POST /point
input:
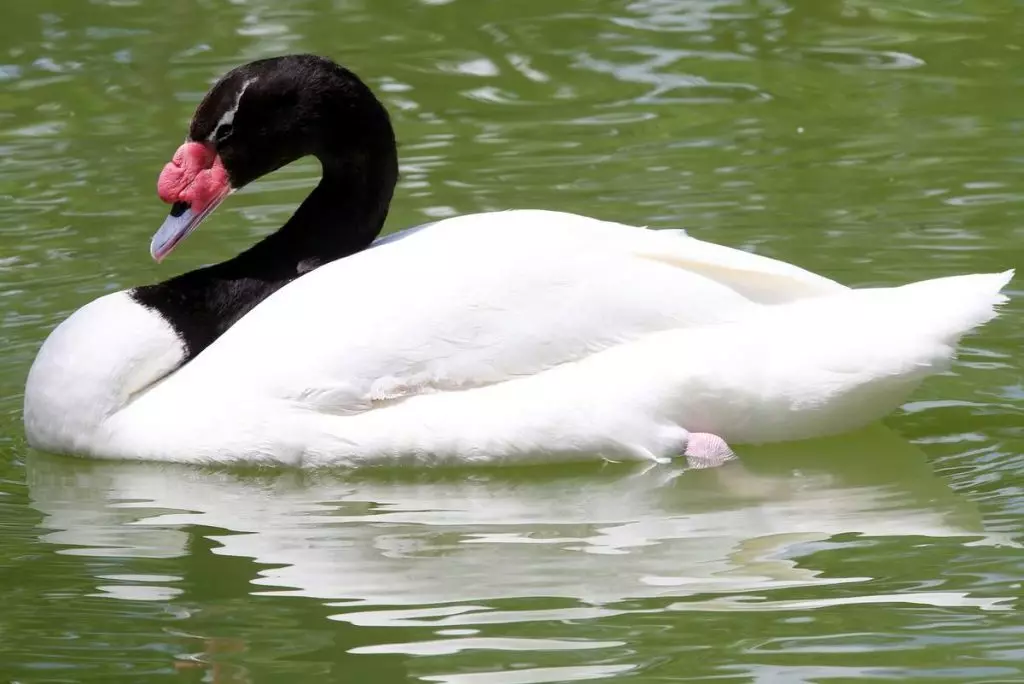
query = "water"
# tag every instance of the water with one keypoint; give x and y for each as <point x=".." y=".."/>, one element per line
<point x="873" y="142"/>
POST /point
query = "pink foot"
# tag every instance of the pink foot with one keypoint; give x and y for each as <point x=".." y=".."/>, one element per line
<point x="705" y="450"/>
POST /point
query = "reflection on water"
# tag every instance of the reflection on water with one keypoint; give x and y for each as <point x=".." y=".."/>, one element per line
<point x="438" y="559"/>
<point x="599" y="537"/>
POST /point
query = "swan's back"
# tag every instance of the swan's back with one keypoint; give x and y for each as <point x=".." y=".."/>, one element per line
<point x="479" y="299"/>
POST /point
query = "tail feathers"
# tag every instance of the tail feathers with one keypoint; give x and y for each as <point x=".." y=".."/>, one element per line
<point x="918" y="324"/>
<point x="956" y="305"/>
<point x="810" y="367"/>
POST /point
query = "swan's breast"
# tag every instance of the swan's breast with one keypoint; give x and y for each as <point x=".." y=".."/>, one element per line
<point x="93" y="364"/>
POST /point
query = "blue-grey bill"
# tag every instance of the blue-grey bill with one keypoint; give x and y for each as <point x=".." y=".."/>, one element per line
<point x="178" y="225"/>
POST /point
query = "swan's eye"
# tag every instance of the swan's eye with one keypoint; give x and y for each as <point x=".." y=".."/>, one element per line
<point x="223" y="132"/>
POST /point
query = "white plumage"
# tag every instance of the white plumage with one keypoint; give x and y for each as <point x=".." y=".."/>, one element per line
<point x="499" y="337"/>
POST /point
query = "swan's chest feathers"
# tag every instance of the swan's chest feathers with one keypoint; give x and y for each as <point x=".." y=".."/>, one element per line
<point x="92" y="365"/>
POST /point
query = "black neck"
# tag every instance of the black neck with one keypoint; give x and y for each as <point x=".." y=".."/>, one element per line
<point x="342" y="215"/>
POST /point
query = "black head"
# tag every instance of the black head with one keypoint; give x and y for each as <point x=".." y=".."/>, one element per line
<point x="263" y="115"/>
<point x="268" y="113"/>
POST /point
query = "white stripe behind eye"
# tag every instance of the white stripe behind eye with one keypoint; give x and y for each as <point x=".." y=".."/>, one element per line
<point x="228" y="117"/>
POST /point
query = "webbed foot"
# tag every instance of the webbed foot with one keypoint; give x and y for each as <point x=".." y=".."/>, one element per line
<point x="705" y="450"/>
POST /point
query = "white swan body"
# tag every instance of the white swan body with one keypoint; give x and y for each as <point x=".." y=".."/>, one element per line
<point x="504" y="336"/>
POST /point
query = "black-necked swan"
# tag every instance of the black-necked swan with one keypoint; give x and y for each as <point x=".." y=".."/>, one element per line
<point x="490" y="337"/>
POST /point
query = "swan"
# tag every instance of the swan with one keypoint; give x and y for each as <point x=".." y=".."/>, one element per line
<point x="492" y="337"/>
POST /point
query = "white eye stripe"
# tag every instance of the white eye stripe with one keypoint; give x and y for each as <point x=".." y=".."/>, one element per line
<point x="228" y="117"/>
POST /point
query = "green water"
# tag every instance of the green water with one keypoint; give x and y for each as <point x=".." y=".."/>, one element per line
<point x="873" y="141"/>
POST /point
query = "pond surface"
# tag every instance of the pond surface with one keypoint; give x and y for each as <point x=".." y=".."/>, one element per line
<point x="872" y="141"/>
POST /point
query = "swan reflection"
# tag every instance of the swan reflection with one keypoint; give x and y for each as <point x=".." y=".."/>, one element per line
<point x="418" y="542"/>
